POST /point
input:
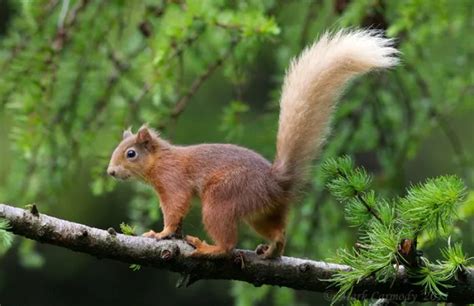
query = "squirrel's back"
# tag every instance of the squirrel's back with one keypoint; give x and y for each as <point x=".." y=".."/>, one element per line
<point x="232" y="173"/>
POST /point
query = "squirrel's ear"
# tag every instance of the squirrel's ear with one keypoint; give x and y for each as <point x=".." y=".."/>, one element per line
<point x="145" y="138"/>
<point x="127" y="133"/>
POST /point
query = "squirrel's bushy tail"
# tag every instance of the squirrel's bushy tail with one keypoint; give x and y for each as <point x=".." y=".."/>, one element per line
<point x="311" y="87"/>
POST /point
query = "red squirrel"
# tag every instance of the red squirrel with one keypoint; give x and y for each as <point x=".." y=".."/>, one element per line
<point x="237" y="184"/>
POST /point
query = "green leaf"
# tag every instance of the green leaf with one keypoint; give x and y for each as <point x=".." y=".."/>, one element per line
<point x="135" y="267"/>
<point x="127" y="229"/>
<point x="6" y="238"/>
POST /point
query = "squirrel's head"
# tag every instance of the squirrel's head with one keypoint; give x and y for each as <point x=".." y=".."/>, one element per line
<point x="135" y="154"/>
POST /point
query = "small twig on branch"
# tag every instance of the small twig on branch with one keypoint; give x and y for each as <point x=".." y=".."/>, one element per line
<point x="66" y="24"/>
<point x="183" y="101"/>
<point x="187" y="43"/>
<point x="359" y="197"/>
<point x="296" y="273"/>
<point x="121" y="68"/>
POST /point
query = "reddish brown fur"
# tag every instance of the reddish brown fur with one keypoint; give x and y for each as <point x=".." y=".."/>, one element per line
<point x="233" y="183"/>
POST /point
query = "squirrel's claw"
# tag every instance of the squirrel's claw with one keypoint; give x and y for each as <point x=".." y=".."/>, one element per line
<point x="261" y="249"/>
<point x="194" y="241"/>
<point x="265" y="251"/>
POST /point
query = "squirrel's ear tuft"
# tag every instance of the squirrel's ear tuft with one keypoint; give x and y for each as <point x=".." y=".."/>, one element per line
<point x="145" y="138"/>
<point x="127" y="133"/>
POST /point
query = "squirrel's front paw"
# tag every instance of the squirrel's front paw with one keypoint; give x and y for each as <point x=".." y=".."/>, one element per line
<point x="149" y="234"/>
<point x="157" y="236"/>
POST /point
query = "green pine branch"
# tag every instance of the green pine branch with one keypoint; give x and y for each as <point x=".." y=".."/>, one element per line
<point x="389" y="228"/>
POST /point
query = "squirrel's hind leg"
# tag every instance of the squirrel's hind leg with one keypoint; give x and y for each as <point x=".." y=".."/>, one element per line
<point x="274" y="249"/>
<point x="272" y="227"/>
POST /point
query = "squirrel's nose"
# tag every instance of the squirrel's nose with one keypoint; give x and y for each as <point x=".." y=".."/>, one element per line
<point x="111" y="172"/>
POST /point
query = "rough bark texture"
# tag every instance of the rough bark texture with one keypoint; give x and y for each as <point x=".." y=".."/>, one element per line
<point x="296" y="273"/>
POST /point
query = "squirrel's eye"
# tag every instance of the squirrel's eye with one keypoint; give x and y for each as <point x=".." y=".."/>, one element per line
<point x="131" y="154"/>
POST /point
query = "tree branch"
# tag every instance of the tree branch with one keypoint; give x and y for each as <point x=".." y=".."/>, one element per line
<point x="296" y="273"/>
<point x="197" y="83"/>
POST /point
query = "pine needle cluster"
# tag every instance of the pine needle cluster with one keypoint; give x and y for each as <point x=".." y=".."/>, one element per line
<point x="388" y="229"/>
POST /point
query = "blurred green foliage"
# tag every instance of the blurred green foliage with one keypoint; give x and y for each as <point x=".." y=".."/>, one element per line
<point x="75" y="73"/>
